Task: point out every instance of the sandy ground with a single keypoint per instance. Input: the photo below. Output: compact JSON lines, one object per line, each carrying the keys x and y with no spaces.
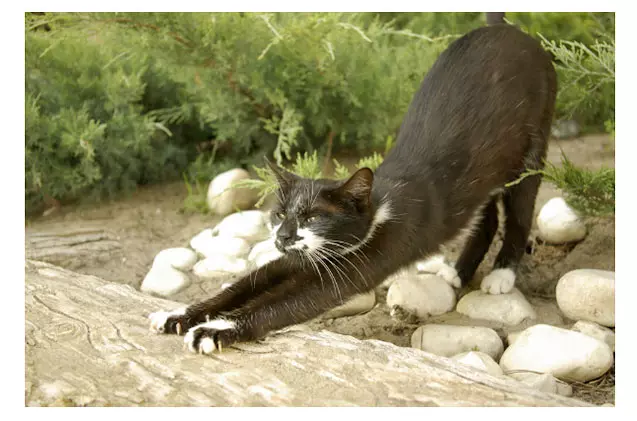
{"x":150,"y":220}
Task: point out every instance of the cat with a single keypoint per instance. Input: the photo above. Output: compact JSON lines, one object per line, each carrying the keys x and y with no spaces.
{"x":481,"y":117}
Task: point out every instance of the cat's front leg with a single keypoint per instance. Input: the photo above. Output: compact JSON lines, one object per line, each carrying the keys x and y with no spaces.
{"x":292,"y":302}
{"x":248,"y":287}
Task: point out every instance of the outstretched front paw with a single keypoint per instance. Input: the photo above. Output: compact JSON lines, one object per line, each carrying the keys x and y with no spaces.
{"x":169,"y":321}
{"x":207,"y":337}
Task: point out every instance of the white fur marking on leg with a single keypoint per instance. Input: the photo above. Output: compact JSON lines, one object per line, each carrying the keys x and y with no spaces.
{"x":431,"y":265}
{"x":437,"y":265}
{"x":499,"y":281}
{"x":206,"y":345}
{"x":158,"y":319}
{"x":450,"y":275}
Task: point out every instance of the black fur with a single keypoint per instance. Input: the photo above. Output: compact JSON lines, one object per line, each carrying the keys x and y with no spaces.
{"x":480,"y":118}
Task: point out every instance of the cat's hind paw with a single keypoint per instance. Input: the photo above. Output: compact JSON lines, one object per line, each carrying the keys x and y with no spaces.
{"x":499,"y":281}
{"x":168,"y":321}
{"x":205,"y":338}
{"x":437,"y":266}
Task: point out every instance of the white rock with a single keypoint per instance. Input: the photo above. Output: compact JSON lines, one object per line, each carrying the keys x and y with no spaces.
{"x":223,"y":200}
{"x":200,"y":239}
{"x":164,"y":281}
{"x":220,"y":265}
{"x":565,"y":354}
{"x":263,"y":253}
{"x":209,"y":245}
{"x":510,"y":309}
{"x":358,"y":304}
{"x":424,"y":295}
{"x":558,"y":223}
{"x":448,"y":340}
{"x":596,"y":331}
{"x":588,"y":294}
{"x":543,"y":382}
{"x":180,"y":258}
{"x":512,"y":337}
{"x":249,"y":225}
{"x":479,"y":360}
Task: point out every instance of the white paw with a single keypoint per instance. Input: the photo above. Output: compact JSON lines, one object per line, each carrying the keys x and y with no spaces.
{"x":450,"y":275}
{"x":203,"y":338}
{"x":440,"y":268}
{"x":431,"y":265}
{"x":159,"y":318}
{"x":499,"y":281}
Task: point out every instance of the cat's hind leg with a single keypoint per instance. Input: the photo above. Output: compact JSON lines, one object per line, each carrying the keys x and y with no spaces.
{"x":478,"y":242}
{"x":519,"y":201}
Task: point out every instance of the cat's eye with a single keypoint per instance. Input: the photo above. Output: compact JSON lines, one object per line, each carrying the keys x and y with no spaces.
{"x":312,"y":218}
{"x":280,"y":215}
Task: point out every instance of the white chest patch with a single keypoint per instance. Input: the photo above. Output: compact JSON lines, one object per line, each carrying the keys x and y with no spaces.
{"x":382,"y":215}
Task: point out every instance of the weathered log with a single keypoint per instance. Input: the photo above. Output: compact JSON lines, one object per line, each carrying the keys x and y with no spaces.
{"x":72,"y":249}
{"x":88,"y":343}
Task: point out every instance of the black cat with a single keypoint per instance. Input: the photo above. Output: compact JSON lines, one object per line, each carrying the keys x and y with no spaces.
{"x":480,"y":118}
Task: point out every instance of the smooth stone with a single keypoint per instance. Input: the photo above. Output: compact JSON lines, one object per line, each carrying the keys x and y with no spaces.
{"x":209,"y":246}
{"x":596,"y":331}
{"x":220,"y":265}
{"x":449,"y":340}
{"x":263,"y":253}
{"x":249,"y":225}
{"x":164,"y":281}
{"x":512,"y":337}
{"x":480,"y":361}
{"x":358,"y":304}
{"x":567,"y":355}
{"x":510,"y":309}
{"x":223,"y":200}
{"x":544,"y":382}
{"x":424,"y":295}
{"x":200,"y":239}
{"x":558,"y":223}
{"x":180,"y":258}
{"x":588,"y":294}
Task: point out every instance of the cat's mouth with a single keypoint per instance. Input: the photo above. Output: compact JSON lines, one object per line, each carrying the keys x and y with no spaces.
{"x":287,"y":247}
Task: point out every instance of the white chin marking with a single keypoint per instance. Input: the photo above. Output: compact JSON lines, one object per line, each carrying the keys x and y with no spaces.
{"x":310,"y":241}
{"x":499,"y":281}
{"x":437,"y":265}
{"x":158,"y":319}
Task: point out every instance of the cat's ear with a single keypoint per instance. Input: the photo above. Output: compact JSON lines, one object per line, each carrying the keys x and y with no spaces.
{"x":359,"y":186}
{"x":283,"y":177}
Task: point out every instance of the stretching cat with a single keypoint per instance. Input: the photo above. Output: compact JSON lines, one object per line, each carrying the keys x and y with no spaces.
{"x":481,"y":117}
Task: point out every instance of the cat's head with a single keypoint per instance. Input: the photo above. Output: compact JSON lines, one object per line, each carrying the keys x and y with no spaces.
{"x":321,"y":217}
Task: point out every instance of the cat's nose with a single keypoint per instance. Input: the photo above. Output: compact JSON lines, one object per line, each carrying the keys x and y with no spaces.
{"x":285,"y":238}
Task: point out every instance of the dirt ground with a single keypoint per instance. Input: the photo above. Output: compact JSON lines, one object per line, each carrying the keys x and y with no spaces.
{"x":150,"y":220}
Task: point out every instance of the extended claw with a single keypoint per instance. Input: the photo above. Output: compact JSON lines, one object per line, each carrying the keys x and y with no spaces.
{"x":178,"y":328}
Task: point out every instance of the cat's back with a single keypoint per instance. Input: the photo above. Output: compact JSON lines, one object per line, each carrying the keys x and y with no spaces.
{"x":475,"y":102}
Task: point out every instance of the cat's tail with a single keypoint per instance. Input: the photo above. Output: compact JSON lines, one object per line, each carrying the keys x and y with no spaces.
{"x":493,"y":18}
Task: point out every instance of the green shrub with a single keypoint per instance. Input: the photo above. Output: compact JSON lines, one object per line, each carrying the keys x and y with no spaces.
{"x":119,"y":99}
